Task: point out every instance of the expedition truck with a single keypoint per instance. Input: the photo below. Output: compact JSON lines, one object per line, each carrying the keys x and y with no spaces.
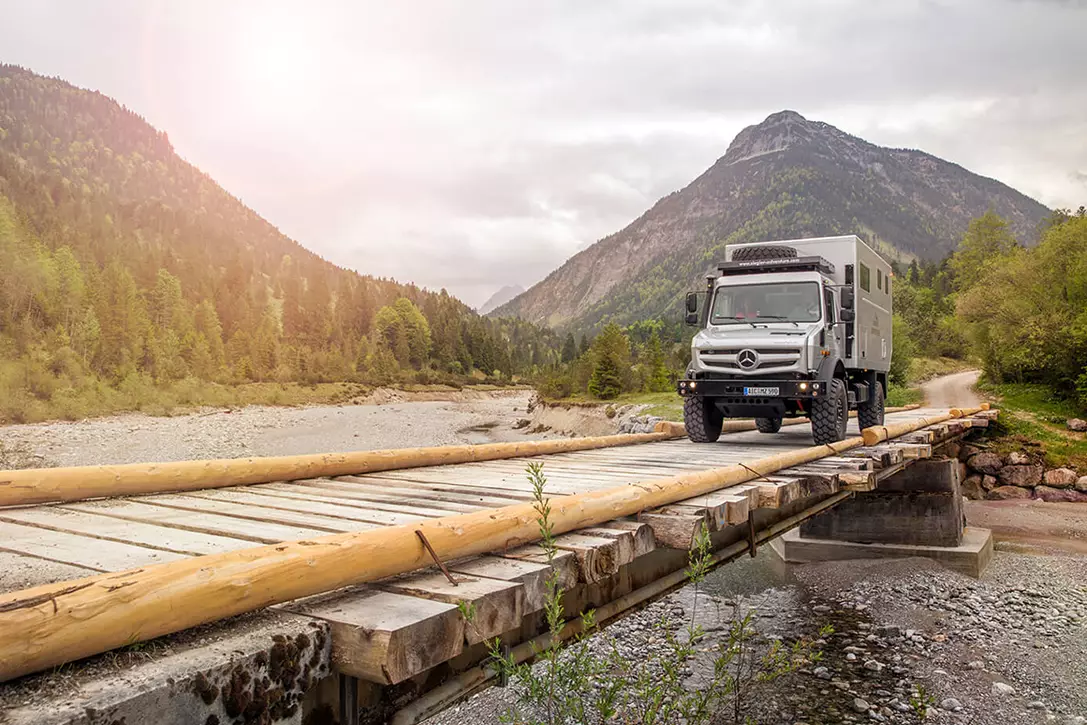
{"x":790,"y":329}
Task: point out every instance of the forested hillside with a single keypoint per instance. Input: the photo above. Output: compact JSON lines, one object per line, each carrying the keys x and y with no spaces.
{"x":121,"y":265}
{"x":786,"y":177}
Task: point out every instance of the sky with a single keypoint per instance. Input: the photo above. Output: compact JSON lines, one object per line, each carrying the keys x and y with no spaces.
{"x":474,"y":144}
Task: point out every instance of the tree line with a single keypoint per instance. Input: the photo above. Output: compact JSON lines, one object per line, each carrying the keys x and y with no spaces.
{"x":1021,"y":311}
{"x":123,"y":267}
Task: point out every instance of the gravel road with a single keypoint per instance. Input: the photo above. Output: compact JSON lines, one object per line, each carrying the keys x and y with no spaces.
{"x":271,"y":431}
{"x":950,"y":391}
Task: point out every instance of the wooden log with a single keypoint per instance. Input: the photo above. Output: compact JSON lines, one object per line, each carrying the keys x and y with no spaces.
{"x":56,"y":623}
{"x":44,"y":485}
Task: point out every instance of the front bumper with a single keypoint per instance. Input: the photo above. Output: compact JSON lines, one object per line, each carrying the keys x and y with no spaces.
{"x":739,"y":391}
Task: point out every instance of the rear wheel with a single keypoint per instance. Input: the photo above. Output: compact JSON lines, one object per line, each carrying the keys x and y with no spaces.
{"x":768,"y":425}
{"x":830,"y":414}
{"x":871,"y":411}
{"x":702,"y":419}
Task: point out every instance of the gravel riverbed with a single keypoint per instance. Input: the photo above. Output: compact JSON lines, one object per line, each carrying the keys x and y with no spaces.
{"x":271,"y":431}
{"x":909,"y":635}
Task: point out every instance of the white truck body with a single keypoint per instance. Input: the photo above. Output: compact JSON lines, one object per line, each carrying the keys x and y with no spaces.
{"x":872,"y":287}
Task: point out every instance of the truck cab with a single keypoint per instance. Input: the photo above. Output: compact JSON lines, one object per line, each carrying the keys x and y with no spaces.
{"x":798,"y":328}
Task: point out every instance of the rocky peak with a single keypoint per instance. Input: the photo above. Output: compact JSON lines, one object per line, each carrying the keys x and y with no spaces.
{"x":778,"y":132}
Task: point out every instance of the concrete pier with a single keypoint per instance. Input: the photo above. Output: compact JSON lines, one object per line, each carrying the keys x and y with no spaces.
{"x":917,"y":512}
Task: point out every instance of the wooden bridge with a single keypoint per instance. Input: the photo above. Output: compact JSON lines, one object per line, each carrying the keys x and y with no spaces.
{"x":184,"y":548}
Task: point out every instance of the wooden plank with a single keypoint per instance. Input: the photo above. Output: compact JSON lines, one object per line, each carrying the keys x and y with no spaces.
{"x":720,"y":508}
{"x":624,"y":551}
{"x":258,"y":531}
{"x":497,"y":606}
{"x":531,"y":575}
{"x":188,"y":503}
{"x":437,"y":492}
{"x":102,"y":556}
{"x":674,"y":531}
{"x":126,"y":532}
{"x":368,"y":501}
{"x":643,"y":535}
{"x":385,"y":637}
{"x":597,"y":557}
{"x":563,"y":562}
{"x":316,"y":507}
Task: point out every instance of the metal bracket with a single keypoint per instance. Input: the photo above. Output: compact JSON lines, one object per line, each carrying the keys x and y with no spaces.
{"x":752,"y":546}
{"x":434,"y":556}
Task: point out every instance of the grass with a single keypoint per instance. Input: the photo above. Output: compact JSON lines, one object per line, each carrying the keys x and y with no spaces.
{"x":1032,"y":419}
{"x":926,"y":368}
{"x":899,"y":395}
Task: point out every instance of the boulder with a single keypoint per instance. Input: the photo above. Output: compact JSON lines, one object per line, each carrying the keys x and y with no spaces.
{"x":1077,"y":424}
{"x":1059,"y":495}
{"x":972,"y":487}
{"x":1081,"y":484}
{"x":967,"y":451}
{"x":989,"y":482}
{"x":1027,"y":476}
{"x":1018,"y":458}
{"x":1006,"y":493}
{"x":985,"y":462}
{"x":1060,"y":478}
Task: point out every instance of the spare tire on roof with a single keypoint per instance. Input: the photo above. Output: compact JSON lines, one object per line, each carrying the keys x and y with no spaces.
{"x":757,"y":254}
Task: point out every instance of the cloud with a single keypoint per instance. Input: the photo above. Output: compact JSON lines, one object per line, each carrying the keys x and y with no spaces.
{"x":475,"y":145}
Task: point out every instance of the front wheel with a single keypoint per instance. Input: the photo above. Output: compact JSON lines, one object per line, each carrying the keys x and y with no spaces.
{"x":702,"y":419}
{"x":871,"y":412}
{"x":768,"y":425}
{"x":830,"y":414}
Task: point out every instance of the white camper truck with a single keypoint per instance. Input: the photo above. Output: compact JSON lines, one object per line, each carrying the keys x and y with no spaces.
{"x":789,"y":329}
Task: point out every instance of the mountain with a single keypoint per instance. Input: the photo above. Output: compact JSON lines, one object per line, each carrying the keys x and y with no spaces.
{"x":500,"y":298}
{"x":122,"y":264}
{"x":786,"y":177}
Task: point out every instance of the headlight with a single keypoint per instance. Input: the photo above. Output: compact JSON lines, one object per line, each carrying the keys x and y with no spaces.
{"x":692,"y":385}
{"x":803,"y":386}
{"x":682,"y":383}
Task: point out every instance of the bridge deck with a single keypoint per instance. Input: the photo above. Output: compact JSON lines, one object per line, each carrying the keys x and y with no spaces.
{"x":404,"y":627}
{"x":117,"y":534}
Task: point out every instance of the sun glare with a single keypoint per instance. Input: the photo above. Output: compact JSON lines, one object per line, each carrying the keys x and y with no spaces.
{"x":276,"y":55}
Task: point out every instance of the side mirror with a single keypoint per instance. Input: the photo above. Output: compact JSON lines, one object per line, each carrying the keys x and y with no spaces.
{"x":848,"y":296}
{"x":847,"y":316}
{"x":692,"y":302}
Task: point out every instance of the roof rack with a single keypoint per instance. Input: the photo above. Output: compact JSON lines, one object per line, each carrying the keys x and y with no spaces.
{"x":786,"y":264}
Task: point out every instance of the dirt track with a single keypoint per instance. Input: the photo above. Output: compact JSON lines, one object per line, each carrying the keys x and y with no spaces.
{"x":951,"y":391}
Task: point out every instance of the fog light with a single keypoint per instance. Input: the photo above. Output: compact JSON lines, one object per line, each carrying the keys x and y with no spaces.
{"x":692,"y":385}
{"x":814,"y":393}
{"x":803,"y":386}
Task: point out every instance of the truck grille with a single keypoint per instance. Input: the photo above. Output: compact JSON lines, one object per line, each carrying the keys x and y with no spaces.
{"x":770,"y":358}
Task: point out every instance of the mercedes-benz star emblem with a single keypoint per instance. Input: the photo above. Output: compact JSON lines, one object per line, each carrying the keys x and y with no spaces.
{"x":747,"y":359}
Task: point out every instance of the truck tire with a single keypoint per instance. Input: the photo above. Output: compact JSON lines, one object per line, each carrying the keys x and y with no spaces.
{"x":830,"y":414}
{"x":756,"y":254}
{"x":870,"y":412}
{"x":702,"y":419}
{"x":768,"y":425}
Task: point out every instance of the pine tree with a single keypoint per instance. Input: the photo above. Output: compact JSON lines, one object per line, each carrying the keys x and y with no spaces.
{"x":611,"y":363}
{"x":657,"y":379}
{"x":569,"y":348}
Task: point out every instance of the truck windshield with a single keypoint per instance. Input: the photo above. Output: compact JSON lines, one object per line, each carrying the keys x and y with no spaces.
{"x":772,"y":302}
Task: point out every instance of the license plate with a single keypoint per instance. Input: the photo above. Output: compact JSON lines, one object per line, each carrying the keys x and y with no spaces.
{"x":762,"y":391}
